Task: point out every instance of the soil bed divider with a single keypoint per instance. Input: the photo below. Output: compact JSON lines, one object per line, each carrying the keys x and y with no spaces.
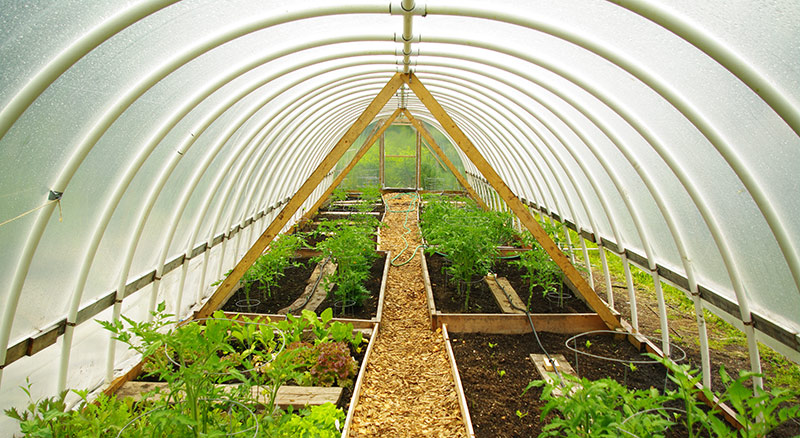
{"x":359,"y":382}
{"x":462,"y":398}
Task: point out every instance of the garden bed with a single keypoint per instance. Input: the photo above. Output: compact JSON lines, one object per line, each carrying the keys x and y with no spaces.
{"x":495,"y":370}
{"x":292,"y":288}
{"x":482,"y":300}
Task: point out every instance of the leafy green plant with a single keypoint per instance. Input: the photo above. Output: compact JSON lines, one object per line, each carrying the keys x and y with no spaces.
{"x":268,"y":268}
{"x":759,"y":411}
{"x":467,"y":236}
{"x":192,"y":359}
{"x":323,"y":421}
{"x":598,"y":409}
{"x":352,"y":249}
{"x":540,"y":270}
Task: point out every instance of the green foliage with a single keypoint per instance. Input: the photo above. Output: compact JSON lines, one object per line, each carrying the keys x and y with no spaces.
{"x":338,"y":194}
{"x":467,"y":235}
{"x":598,"y":409}
{"x":323,"y":329}
{"x":540,"y":270}
{"x":268,"y":268}
{"x":352,"y":249}
{"x":323,"y":421}
{"x":759,"y":411}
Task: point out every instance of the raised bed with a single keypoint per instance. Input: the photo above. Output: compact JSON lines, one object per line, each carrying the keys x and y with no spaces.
{"x":310,"y":290}
{"x":495,"y":370}
{"x":507,"y":323}
{"x":288,"y":395}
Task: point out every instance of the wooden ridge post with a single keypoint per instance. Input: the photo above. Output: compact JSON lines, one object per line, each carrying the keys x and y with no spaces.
{"x":572,"y":276}
{"x":438,"y":150}
{"x":356,"y":158}
{"x":311,"y":183}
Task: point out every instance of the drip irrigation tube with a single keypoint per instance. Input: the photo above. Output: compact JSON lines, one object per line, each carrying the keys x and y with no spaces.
{"x":533,"y":328}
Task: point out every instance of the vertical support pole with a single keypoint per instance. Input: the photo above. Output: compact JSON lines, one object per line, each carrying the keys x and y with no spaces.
{"x":382,"y":162}
{"x":419,"y":162}
{"x":631,"y":293}
{"x":586,"y":260}
{"x":607,"y":274}
{"x":662,"y":312}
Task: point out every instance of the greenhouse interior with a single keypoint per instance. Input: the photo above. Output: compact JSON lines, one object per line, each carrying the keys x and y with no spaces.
{"x":366,"y":218}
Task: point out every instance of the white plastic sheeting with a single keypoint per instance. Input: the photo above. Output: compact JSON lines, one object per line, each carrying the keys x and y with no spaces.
{"x":667,"y":129}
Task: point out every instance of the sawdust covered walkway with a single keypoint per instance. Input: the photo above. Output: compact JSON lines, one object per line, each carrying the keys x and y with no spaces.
{"x":408,"y":389}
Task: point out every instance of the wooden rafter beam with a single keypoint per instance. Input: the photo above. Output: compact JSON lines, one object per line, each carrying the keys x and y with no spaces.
{"x":438,"y":150}
{"x":356,"y":158}
{"x":572,"y":276}
{"x":226,"y":287}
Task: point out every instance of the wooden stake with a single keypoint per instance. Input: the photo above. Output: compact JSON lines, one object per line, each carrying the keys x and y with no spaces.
{"x":226,"y":288}
{"x":572,"y":276}
{"x":438,"y":150}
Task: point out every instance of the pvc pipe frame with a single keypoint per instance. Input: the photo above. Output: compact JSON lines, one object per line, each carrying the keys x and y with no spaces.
{"x":639,"y":127}
{"x":123,"y":182}
{"x":628,"y":279}
{"x":113,"y":111}
{"x":661,"y":307}
{"x":742,"y":304}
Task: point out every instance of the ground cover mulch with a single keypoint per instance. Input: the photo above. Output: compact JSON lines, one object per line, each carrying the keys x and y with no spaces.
{"x":291,"y":286}
{"x":408,"y":389}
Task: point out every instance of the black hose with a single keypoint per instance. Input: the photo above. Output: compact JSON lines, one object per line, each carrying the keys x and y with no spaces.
{"x":533,"y":328}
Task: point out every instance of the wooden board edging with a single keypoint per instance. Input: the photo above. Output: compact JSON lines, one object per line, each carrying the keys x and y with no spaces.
{"x":512,"y":324}
{"x":462,"y":398}
{"x":382,"y":292}
{"x":359,"y":382}
{"x":429,"y":292}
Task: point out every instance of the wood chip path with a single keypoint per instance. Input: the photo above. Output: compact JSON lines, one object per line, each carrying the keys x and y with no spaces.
{"x":408,"y":390}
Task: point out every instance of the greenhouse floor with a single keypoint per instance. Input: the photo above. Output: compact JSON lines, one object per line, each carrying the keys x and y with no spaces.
{"x":408,"y":388}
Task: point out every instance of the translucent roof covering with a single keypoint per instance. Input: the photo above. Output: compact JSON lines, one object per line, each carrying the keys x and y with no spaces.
{"x":152,"y":141}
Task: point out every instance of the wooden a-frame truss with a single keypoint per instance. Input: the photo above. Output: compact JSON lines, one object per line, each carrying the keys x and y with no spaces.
{"x":571,"y":274}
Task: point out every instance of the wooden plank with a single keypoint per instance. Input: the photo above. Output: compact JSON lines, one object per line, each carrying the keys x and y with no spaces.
{"x":356,"y":158}
{"x":358,"y":324}
{"x":512,"y":324}
{"x":549,"y":376}
{"x":440,"y":153}
{"x":382,"y":293}
{"x":428,"y":289}
{"x":300,"y":396}
{"x":317,"y":294}
{"x":462,"y":398}
{"x":359,"y":382}
{"x":572,"y":276}
{"x":225,"y":289}
{"x":294,"y":396}
{"x":500,"y":287}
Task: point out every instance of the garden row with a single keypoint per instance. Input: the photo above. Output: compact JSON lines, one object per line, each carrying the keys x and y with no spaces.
{"x":509,"y":314}
{"x":267,"y":364}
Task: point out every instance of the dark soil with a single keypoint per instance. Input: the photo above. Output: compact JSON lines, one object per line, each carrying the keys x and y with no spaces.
{"x":494,"y":400}
{"x":369,"y":309}
{"x":481,"y":299}
{"x":566,"y":303}
{"x":291,"y":286}
{"x":445,"y":290}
